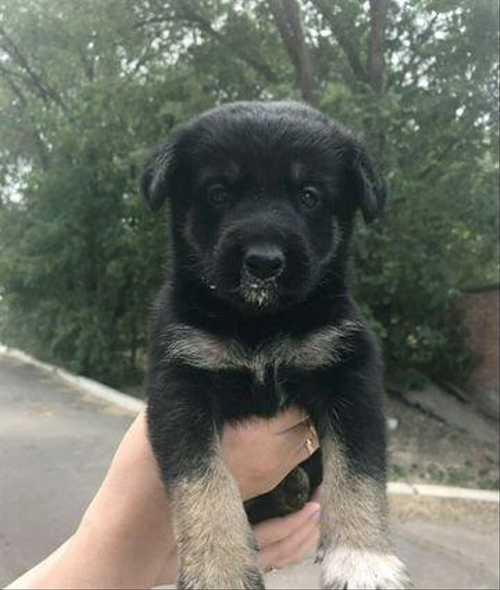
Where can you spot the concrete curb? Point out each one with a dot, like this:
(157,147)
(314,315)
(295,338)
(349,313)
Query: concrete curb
(99,390)
(397,488)
(134,406)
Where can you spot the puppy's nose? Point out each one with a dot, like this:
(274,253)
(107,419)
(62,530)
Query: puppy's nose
(264,261)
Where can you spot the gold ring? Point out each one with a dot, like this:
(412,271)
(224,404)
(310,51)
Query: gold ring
(309,445)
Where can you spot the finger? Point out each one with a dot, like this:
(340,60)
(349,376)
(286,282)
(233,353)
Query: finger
(294,548)
(307,548)
(288,419)
(275,529)
(316,495)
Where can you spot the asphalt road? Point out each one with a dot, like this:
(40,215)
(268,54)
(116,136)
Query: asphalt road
(56,443)
(55,447)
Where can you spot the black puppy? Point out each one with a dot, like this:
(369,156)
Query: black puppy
(257,317)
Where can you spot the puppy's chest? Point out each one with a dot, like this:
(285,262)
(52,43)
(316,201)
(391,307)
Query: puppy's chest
(262,375)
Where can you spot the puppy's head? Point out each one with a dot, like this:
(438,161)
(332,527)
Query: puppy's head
(263,197)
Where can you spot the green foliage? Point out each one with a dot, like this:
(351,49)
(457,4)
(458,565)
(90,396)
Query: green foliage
(87,88)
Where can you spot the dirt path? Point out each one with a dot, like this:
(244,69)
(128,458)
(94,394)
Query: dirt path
(424,449)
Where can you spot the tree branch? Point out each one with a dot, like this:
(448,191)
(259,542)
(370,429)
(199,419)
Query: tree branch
(288,20)
(189,14)
(421,39)
(376,61)
(437,163)
(143,58)
(344,39)
(44,89)
(43,152)
(88,65)
(259,66)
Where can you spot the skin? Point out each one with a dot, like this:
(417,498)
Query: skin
(125,538)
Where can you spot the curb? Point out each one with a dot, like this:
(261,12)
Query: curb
(396,488)
(134,406)
(98,390)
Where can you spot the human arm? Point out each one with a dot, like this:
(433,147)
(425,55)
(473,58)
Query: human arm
(125,538)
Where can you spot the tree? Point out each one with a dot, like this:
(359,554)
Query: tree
(288,19)
(86,88)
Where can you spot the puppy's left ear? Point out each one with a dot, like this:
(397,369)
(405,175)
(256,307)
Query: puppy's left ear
(369,186)
(155,180)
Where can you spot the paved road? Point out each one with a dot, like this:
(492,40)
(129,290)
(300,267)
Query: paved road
(55,446)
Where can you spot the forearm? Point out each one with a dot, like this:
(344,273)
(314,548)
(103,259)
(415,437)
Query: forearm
(31,579)
(81,562)
(125,538)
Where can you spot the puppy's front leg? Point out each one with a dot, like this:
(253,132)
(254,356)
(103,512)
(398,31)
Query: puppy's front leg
(355,548)
(215,544)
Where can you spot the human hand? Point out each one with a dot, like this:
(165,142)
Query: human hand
(260,453)
(282,541)
(289,539)
(126,539)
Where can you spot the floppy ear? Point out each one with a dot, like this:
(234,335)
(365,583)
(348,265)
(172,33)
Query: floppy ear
(370,188)
(157,173)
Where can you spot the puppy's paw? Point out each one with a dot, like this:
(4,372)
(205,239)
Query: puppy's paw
(254,581)
(320,554)
(218,578)
(292,493)
(344,569)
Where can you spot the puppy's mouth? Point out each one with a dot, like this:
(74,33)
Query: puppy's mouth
(258,293)
(260,278)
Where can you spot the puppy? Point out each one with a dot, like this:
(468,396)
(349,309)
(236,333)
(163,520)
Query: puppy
(257,317)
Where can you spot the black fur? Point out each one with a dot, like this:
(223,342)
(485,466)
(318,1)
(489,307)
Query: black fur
(244,179)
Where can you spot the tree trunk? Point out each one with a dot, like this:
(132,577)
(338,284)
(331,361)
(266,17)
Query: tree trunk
(288,20)
(376,74)
(376,63)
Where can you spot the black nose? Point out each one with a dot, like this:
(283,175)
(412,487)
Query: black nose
(264,261)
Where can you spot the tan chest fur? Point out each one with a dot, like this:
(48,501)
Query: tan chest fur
(317,349)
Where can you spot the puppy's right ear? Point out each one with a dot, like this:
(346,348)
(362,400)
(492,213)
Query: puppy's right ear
(370,186)
(155,181)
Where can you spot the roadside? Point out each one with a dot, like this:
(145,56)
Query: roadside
(55,447)
(425,448)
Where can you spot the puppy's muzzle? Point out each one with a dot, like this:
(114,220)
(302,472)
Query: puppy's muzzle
(264,261)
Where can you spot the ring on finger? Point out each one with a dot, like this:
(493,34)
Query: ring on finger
(309,445)
(311,440)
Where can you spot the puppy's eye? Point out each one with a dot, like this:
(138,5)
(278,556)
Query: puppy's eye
(309,197)
(217,194)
